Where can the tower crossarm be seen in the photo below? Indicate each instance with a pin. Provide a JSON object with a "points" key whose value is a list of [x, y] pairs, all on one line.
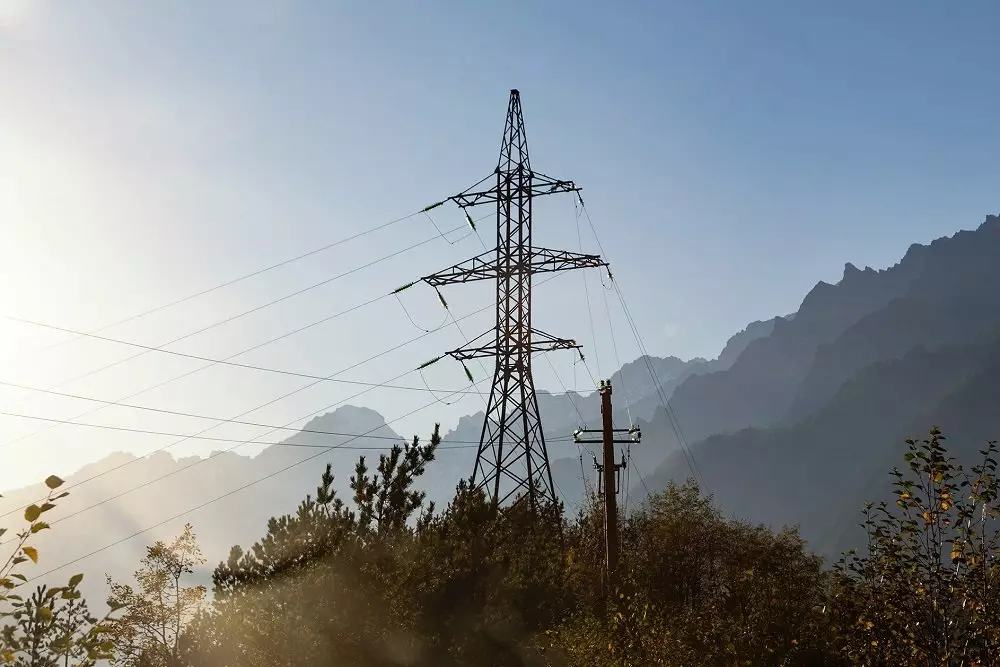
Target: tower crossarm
{"points": [[533, 184], [485, 266], [540, 342], [544, 260], [480, 267]]}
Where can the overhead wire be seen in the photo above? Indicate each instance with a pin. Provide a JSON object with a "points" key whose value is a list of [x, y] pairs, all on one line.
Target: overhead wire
{"points": [[618, 362], [275, 400], [472, 224], [219, 453], [628, 398], [302, 388], [586, 291], [209, 438], [228, 283], [448, 313], [664, 400], [160, 348], [643, 481], [211, 501], [129, 429], [216, 498]]}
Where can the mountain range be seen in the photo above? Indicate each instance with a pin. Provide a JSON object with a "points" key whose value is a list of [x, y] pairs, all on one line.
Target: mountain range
{"points": [[796, 422]]}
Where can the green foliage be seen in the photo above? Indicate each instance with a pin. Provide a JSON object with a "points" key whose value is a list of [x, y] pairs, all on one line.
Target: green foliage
{"points": [[925, 590], [384, 579], [148, 632], [52, 626]]}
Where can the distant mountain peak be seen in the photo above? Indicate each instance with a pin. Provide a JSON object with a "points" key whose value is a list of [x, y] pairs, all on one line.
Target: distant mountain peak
{"points": [[346, 418]]}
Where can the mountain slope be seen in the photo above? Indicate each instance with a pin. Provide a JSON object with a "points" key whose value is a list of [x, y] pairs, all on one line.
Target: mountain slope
{"points": [[808, 474], [953, 301], [760, 386], [886, 376]]}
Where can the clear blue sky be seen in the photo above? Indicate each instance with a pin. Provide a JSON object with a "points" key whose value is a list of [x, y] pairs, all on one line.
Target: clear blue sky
{"points": [[732, 154]]}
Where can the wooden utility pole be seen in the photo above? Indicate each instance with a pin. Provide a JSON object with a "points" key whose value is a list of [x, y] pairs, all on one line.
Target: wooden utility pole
{"points": [[610, 495], [609, 472]]}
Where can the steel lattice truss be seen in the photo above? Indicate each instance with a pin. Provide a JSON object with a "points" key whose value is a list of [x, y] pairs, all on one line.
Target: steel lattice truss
{"points": [[512, 457]]}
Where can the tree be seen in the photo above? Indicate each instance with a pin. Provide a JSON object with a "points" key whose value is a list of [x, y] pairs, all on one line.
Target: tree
{"points": [[925, 590], [329, 584], [148, 633], [52, 627]]}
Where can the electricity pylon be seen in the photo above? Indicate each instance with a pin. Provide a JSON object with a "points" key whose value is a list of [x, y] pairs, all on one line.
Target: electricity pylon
{"points": [[512, 457]]}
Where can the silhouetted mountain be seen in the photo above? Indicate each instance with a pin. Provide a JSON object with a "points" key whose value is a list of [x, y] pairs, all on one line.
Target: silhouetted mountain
{"points": [[879, 357], [760, 385]]}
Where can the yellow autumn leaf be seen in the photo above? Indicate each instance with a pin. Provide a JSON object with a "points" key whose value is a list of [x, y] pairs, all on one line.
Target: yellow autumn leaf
{"points": [[32, 553]]}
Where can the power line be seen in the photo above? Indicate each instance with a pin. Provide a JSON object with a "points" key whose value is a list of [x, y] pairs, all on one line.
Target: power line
{"points": [[569, 395], [202, 330], [232, 317], [586, 292], [194, 436], [228, 283], [302, 388], [671, 417], [275, 400], [215, 454], [208, 502], [217, 498], [637, 472], [618, 361], [210, 360]]}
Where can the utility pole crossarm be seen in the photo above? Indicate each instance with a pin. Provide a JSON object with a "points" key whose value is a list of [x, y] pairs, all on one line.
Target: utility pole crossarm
{"points": [[486, 267]]}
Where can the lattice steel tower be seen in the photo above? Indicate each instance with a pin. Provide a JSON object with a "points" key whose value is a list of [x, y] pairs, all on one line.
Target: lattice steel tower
{"points": [[512, 456]]}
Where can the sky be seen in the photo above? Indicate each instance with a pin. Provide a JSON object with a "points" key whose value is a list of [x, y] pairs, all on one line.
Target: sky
{"points": [[731, 155]]}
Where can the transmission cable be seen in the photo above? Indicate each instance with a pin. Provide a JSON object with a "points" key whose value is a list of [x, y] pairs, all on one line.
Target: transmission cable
{"points": [[224, 495], [272, 401], [302, 388], [618, 361], [202, 330], [212, 500], [213, 455], [586, 291], [233, 281], [671, 417]]}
